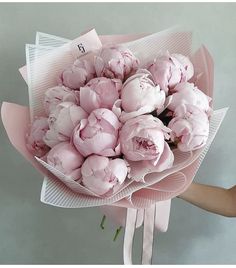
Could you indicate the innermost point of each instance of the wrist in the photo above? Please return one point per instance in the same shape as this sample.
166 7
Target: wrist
187 192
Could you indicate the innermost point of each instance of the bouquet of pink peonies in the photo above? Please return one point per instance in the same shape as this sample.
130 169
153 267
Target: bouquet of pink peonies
123 121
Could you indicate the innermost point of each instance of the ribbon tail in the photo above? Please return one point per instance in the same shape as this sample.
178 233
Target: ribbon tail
129 235
162 215
148 234
155 216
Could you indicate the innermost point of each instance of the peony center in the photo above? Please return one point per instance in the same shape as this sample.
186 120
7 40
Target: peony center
142 144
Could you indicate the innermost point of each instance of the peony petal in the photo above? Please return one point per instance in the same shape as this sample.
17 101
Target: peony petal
96 145
88 99
109 116
99 65
77 113
119 169
143 110
116 108
166 160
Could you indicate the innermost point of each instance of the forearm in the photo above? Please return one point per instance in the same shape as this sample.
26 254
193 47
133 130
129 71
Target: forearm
211 198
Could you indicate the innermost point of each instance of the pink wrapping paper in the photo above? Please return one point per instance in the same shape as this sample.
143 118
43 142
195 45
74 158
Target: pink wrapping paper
149 201
202 61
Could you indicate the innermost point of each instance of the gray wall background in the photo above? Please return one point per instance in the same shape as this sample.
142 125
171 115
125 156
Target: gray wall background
33 233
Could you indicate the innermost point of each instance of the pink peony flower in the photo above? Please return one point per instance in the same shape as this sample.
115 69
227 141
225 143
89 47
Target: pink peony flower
34 139
62 122
187 93
140 95
55 95
78 74
98 134
65 158
169 70
53 137
186 63
116 62
99 92
100 174
190 127
143 138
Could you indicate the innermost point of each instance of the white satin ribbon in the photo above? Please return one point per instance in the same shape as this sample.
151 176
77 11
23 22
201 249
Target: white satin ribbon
156 216
129 234
148 234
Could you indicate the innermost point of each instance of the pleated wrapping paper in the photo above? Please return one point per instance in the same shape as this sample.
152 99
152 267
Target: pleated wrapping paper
134 203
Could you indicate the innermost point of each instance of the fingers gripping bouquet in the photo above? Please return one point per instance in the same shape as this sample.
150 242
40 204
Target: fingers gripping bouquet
117 120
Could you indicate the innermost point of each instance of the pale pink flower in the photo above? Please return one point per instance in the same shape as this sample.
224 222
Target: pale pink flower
140 95
62 122
188 93
190 127
98 134
143 138
169 70
65 158
116 62
186 63
78 74
99 92
100 174
34 139
55 95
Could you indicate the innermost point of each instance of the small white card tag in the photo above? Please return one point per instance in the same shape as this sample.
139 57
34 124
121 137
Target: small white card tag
85 43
